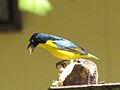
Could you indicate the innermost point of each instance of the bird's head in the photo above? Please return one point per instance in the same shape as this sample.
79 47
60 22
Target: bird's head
35 39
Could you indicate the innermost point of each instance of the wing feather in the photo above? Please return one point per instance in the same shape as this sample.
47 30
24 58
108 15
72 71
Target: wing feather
67 45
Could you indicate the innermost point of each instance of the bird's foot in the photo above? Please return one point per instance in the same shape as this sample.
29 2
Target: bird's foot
61 64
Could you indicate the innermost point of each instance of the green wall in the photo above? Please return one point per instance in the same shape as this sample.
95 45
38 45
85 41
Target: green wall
93 24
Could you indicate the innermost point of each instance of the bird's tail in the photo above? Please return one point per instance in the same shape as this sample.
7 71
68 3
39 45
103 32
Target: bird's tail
92 56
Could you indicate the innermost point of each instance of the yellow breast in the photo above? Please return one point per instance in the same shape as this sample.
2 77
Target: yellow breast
61 54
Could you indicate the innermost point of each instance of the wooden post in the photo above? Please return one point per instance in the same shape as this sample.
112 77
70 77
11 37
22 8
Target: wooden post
78 73
81 75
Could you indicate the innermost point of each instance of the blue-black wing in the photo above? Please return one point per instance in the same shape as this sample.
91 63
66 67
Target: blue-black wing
67 45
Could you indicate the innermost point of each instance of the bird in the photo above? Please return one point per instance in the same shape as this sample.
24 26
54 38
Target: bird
59 47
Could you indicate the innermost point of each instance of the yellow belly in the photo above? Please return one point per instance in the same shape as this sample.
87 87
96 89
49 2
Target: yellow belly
61 54
64 55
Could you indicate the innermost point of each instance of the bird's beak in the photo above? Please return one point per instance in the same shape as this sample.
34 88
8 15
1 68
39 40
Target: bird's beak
31 48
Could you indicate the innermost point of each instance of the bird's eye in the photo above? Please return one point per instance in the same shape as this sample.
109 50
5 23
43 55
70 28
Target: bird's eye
32 40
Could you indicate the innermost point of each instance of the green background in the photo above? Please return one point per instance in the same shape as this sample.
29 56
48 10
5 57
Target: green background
93 24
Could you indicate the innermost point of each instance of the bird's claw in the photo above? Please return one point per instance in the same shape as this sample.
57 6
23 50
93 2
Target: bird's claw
61 64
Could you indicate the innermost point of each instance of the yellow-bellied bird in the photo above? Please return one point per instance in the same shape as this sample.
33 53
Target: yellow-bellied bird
58 47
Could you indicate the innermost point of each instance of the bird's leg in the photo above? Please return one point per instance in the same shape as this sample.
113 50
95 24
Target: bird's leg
61 63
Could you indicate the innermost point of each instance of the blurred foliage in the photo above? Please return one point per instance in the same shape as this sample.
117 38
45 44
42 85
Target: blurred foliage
40 7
